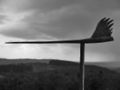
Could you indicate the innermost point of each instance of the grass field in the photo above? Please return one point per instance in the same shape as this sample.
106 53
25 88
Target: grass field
55 75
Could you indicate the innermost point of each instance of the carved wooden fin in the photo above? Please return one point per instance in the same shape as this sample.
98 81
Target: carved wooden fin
104 28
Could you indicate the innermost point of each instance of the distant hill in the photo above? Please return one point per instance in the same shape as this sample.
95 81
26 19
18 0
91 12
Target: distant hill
55 75
25 60
4 61
116 69
110 64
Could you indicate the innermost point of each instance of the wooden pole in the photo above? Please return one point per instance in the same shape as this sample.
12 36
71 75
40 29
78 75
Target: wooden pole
82 51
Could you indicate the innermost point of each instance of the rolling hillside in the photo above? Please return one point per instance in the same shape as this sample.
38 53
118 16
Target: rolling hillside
55 75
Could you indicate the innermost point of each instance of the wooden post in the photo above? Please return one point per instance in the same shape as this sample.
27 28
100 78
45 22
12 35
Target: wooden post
82 51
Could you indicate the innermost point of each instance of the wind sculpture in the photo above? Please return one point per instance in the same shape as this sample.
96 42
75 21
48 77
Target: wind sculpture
102 34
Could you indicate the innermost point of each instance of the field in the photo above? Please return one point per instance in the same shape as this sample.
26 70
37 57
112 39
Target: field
54 75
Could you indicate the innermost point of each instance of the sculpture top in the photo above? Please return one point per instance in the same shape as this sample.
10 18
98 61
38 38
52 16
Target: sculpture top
103 28
102 34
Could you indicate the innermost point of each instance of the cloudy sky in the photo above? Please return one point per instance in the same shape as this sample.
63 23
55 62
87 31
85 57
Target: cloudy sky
57 20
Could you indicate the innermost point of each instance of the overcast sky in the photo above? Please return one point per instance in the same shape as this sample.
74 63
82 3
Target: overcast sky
57 20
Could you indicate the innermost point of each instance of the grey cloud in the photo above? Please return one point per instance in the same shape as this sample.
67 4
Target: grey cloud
2 18
42 5
47 5
27 34
58 23
91 5
61 19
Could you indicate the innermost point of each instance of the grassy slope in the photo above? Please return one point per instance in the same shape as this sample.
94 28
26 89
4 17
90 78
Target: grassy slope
55 75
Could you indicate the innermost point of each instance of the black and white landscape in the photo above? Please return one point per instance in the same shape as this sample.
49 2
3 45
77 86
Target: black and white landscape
67 26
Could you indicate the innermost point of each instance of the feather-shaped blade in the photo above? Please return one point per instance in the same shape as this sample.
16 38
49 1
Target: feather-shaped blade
104 28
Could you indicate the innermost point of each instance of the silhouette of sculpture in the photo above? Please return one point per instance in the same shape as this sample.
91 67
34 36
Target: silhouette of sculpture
102 34
103 28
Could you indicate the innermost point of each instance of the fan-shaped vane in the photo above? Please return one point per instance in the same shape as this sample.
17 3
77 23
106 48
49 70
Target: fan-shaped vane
103 28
